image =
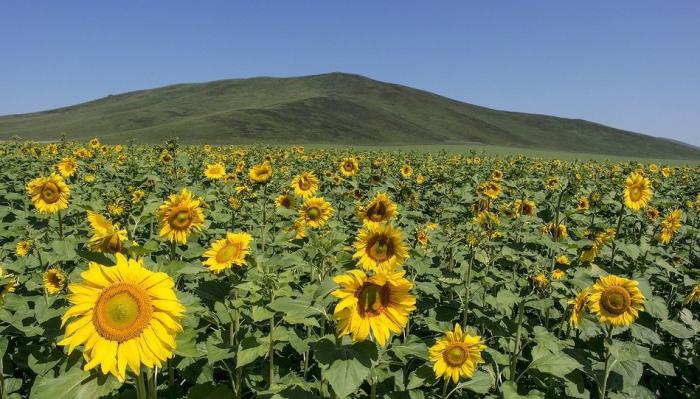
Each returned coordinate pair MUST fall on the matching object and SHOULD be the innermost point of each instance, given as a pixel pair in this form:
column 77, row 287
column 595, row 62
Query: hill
column 333, row 108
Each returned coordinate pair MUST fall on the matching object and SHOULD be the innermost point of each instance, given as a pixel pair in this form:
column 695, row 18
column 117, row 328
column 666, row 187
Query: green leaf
column 296, row 311
column 73, row 384
column 216, row 350
column 250, row 350
column 209, row 391
column 510, row 391
column 556, row 364
column 413, row 346
column 676, row 329
column 480, row 383
column 346, row 366
column 657, row 308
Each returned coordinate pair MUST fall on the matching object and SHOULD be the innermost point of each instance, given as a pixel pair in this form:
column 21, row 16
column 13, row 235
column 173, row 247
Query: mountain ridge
column 333, row 108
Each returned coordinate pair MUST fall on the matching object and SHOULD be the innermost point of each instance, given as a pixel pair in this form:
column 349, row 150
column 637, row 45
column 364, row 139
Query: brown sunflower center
column 372, row 299
column 111, row 244
column 348, row 166
column 381, row 248
column 313, row 213
column 55, row 280
column 377, row 211
column 122, row 312
column 50, row 192
column 455, row 355
column 304, row 183
column 635, row 193
column 615, row 300
column 181, row 219
column 227, row 253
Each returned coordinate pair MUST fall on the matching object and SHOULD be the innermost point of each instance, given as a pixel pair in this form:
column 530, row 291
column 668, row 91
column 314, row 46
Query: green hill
column 332, row 108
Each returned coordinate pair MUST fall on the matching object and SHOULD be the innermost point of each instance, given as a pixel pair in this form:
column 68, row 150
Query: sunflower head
column 578, row 307
column 380, row 209
column 376, row 305
column 285, row 201
column 227, row 252
column 180, row 215
column 67, row 167
column 305, row 184
column 541, row 280
column 558, row 274
column 456, row 354
column 490, row 189
column 315, row 212
column 8, row 284
column 406, row 171
column 124, row 315
column 49, row 194
column 380, row 247
column 260, row 174
column 54, row 280
column 349, row 166
column 616, row 301
column 637, row 191
column 525, row 207
column 693, row 296
column 215, row 171
column 23, row 248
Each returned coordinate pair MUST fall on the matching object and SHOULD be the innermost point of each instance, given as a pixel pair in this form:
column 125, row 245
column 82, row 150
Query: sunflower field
column 171, row 271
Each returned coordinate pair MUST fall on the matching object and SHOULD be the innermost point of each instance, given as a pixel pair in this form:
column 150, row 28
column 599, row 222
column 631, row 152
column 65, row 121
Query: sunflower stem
column 516, row 345
column 467, row 286
column 140, row 387
column 617, row 234
column 445, row 384
column 272, row 350
column 606, row 373
column 373, row 389
column 60, row 225
column 152, row 389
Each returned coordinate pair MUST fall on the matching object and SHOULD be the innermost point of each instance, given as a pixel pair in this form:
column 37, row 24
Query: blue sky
column 629, row 64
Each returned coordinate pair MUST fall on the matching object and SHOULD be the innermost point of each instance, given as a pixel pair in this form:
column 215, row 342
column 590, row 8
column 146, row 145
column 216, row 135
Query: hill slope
column 331, row 108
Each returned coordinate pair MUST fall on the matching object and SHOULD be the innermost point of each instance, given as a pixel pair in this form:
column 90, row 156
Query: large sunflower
column 380, row 247
column 180, row 216
column 616, row 300
column 124, row 315
column 227, row 252
column 380, row 209
column 637, row 191
column 349, row 166
column 315, row 212
column 49, row 194
column 377, row 305
column 305, row 184
column 215, row 171
column 260, row 173
column 456, row 354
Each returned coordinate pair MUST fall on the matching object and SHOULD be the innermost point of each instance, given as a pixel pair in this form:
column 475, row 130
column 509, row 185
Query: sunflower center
column 381, row 249
column 314, row 213
column 304, row 183
column 50, row 193
column 181, row 220
column 122, row 312
column 54, row 280
column 615, row 300
column 372, row 299
column 348, row 166
column 377, row 212
column 455, row 355
column 227, row 253
column 635, row 193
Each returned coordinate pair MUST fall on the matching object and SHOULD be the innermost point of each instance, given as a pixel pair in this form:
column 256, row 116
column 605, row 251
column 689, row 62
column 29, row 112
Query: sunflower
column 578, row 307
column 49, row 194
column 8, row 284
column 215, row 171
column 180, row 216
column 551, row 183
column 420, row 179
column 260, row 173
column 23, row 248
column 108, row 241
column 456, row 354
column 305, row 184
column 693, row 296
column 299, row 228
column 616, row 301
column 315, row 212
column 637, row 191
column 525, row 207
column 137, row 196
column 583, row 204
column 165, row 157
column 558, row 274
column 652, row 213
column 284, row 201
column 124, row 315
column 670, row 225
column 95, row 142
column 562, row 260
column 406, row 171
column 541, row 280
column 556, row 231
column 380, row 209
column 666, row 171
column 227, row 252
column 67, row 167
column 376, row 305
column 380, row 247
column 497, row 175
column 54, row 280
column 349, row 166
column 490, row 189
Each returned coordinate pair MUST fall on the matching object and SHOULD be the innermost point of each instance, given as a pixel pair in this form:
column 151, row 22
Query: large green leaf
column 73, row 384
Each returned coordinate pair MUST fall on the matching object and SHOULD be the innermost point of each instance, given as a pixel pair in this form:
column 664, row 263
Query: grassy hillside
column 332, row 108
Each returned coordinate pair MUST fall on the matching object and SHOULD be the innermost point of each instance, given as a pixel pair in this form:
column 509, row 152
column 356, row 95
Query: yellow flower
column 67, row 167
column 637, row 191
column 652, row 213
column 563, row 260
column 578, row 307
column 227, row 252
column 137, row 196
column 260, row 173
column 49, row 194
column 315, row 212
column 107, row 237
column 380, row 209
column 406, row 171
column 525, row 207
column 299, row 228
column 420, row 179
column 490, row 189
column 666, row 172
column 284, row 201
column 558, row 274
column 693, row 296
column 180, row 216
column 349, row 166
column 497, row 175
column 305, row 184
column 54, row 280
column 124, row 316
column 670, row 225
column 215, row 171
column 583, row 204
column 23, row 248
column 556, row 231
column 541, row 280
column 376, row 305
column 380, row 247
column 95, row 142
column 456, row 354
column 9, row 284
column 616, row 301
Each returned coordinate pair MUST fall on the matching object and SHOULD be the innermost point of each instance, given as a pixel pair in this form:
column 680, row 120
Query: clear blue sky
column 629, row 64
